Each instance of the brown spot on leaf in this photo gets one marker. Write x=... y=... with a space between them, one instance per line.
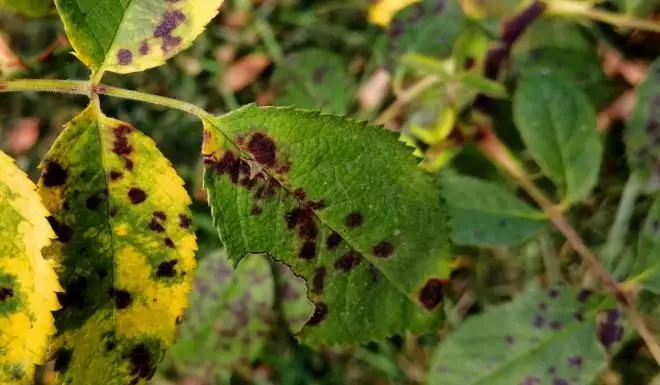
x=432 y=293
x=318 y=281
x=142 y=364
x=383 y=249
x=144 y=47
x=348 y=261
x=166 y=269
x=169 y=243
x=320 y=312
x=154 y=225
x=63 y=232
x=121 y=146
x=257 y=210
x=53 y=175
x=354 y=220
x=308 y=250
x=302 y=219
x=124 y=57
x=93 y=202
x=333 y=241
x=262 y=149
x=184 y=221
x=6 y=292
x=317 y=205
x=137 y=195
x=128 y=164
x=122 y=298
x=115 y=175
x=300 y=193
x=160 y=215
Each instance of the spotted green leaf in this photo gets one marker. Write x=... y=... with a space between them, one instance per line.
x=27 y=282
x=485 y=214
x=558 y=125
x=543 y=337
x=647 y=265
x=33 y=8
x=429 y=27
x=125 y=249
x=229 y=317
x=295 y=306
x=126 y=36
x=642 y=132
x=314 y=79
x=344 y=205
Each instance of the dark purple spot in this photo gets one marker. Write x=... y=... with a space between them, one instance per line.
x=308 y=250
x=6 y=292
x=333 y=241
x=124 y=57
x=184 y=221
x=543 y=306
x=612 y=315
x=53 y=175
x=529 y=380
x=383 y=249
x=137 y=195
x=509 y=340
x=262 y=149
x=552 y=370
x=538 y=321
x=170 y=21
x=553 y=293
x=555 y=325
x=432 y=293
x=169 y=243
x=160 y=215
x=166 y=269
x=122 y=298
x=63 y=232
x=154 y=225
x=584 y=295
x=578 y=316
x=354 y=220
x=142 y=364
x=302 y=219
x=609 y=332
x=115 y=175
x=121 y=146
x=560 y=381
x=348 y=261
x=93 y=202
x=318 y=281
x=144 y=47
x=257 y=210
x=320 y=312
x=575 y=362
x=128 y=164
x=300 y=194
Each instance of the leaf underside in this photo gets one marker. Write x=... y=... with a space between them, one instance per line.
x=545 y=336
x=229 y=317
x=27 y=282
x=340 y=202
x=125 y=246
x=133 y=35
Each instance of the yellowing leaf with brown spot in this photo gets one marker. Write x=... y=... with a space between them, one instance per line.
x=126 y=249
x=27 y=282
x=126 y=36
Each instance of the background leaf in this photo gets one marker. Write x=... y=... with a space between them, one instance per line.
x=229 y=317
x=554 y=336
x=485 y=214
x=647 y=265
x=642 y=133
x=130 y=36
x=558 y=125
x=429 y=27
x=314 y=79
x=27 y=282
x=346 y=208
x=33 y=8
x=125 y=247
x=292 y=292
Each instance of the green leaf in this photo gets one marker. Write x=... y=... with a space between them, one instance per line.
x=647 y=265
x=553 y=336
x=296 y=308
x=33 y=8
x=27 y=282
x=314 y=79
x=344 y=205
x=126 y=36
x=229 y=317
x=125 y=249
x=642 y=132
x=580 y=67
x=429 y=28
x=558 y=125
x=485 y=214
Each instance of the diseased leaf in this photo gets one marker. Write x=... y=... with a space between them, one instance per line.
x=429 y=27
x=314 y=79
x=558 y=125
x=647 y=265
x=27 y=282
x=125 y=246
x=229 y=317
x=484 y=214
x=554 y=336
x=32 y=8
x=642 y=132
x=132 y=35
x=340 y=202
x=295 y=305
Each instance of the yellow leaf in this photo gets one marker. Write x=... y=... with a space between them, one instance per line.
x=126 y=248
x=27 y=282
x=382 y=11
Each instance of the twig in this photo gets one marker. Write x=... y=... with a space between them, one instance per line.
x=405 y=97
x=490 y=145
x=584 y=9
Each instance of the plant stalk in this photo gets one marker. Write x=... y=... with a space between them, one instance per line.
x=584 y=9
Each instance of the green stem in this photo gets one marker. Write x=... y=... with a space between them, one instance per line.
x=612 y=252
x=74 y=87
x=584 y=9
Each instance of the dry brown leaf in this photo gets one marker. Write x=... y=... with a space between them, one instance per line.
x=244 y=72
x=374 y=90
